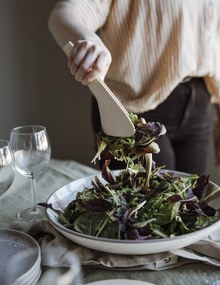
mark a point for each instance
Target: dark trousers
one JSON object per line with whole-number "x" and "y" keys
{"x": 187, "y": 116}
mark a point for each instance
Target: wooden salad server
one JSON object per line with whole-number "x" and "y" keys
{"x": 114, "y": 117}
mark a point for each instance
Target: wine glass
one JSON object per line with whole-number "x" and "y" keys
{"x": 6, "y": 166}
{"x": 31, "y": 148}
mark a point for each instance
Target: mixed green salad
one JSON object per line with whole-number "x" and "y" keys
{"x": 142, "y": 201}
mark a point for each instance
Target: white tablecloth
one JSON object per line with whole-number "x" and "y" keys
{"x": 61, "y": 172}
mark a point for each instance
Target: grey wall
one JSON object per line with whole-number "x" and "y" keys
{"x": 36, "y": 87}
{"x": 35, "y": 84}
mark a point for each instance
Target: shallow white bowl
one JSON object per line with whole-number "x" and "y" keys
{"x": 63, "y": 196}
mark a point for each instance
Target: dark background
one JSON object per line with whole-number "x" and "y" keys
{"x": 36, "y": 86}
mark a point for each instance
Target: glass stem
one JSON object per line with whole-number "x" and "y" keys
{"x": 33, "y": 193}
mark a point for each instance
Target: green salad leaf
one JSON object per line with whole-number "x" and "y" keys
{"x": 142, "y": 201}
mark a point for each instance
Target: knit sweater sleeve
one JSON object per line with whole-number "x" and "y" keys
{"x": 91, "y": 14}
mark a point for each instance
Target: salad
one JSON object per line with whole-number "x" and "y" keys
{"x": 142, "y": 201}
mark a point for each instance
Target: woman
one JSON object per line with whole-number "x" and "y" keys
{"x": 160, "y": 58}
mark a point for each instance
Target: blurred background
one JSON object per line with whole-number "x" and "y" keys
{"x": 35, "y": 84}
{"x": 37, "y": 88}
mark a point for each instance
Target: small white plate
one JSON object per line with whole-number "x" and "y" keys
{"x": 20, "y": 257}
{"x": 120, "y": 282}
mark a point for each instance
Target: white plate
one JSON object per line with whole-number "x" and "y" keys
{"x": 120, "y": 282}
{"x": 20, "y": 257}
{"x": 63, "y": 196}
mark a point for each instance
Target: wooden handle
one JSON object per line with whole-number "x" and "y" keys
{"x": 95, "y": 84}
{"x": 114, "y": 117}
{"x": 67, "y": 48}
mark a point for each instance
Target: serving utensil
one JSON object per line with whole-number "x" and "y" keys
{"x": 114, "y": 117}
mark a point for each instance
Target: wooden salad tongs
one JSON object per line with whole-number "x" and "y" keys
{"x": 114, "y": 117}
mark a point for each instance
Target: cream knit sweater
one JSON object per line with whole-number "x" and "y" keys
{"x": 155, "y": 44}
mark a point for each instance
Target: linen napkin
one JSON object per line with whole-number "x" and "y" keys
{"x": 58, "y": 251}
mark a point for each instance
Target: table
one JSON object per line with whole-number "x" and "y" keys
{"x": 61, "y": 172}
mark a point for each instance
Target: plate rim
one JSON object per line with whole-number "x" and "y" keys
{"x": 21, "y": 233}
{"x": 29, "y": 242}
{"x": 100, "y": 282}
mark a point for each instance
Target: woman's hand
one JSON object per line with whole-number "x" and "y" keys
{"x": 89, "y": 60}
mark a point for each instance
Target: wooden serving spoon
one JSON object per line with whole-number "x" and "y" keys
{"x": 114, "y": 117}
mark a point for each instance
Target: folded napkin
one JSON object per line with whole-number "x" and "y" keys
{"x": 58, "y": 251}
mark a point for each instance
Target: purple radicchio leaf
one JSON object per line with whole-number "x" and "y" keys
{"x": 194, "y": 208}
{"x": 72, "y": 205}
{"x": 107, "y": 174}
{"x": 209, "y": 211}
{"x": 152, "y": 129}
{"x": 202, "y": 182}
{"x": 142, "y": 233}
{"x": 174, "y": 198}
{"x": 97, "y": 205}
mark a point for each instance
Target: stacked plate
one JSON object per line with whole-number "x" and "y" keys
{"x": 20, "y": 258}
